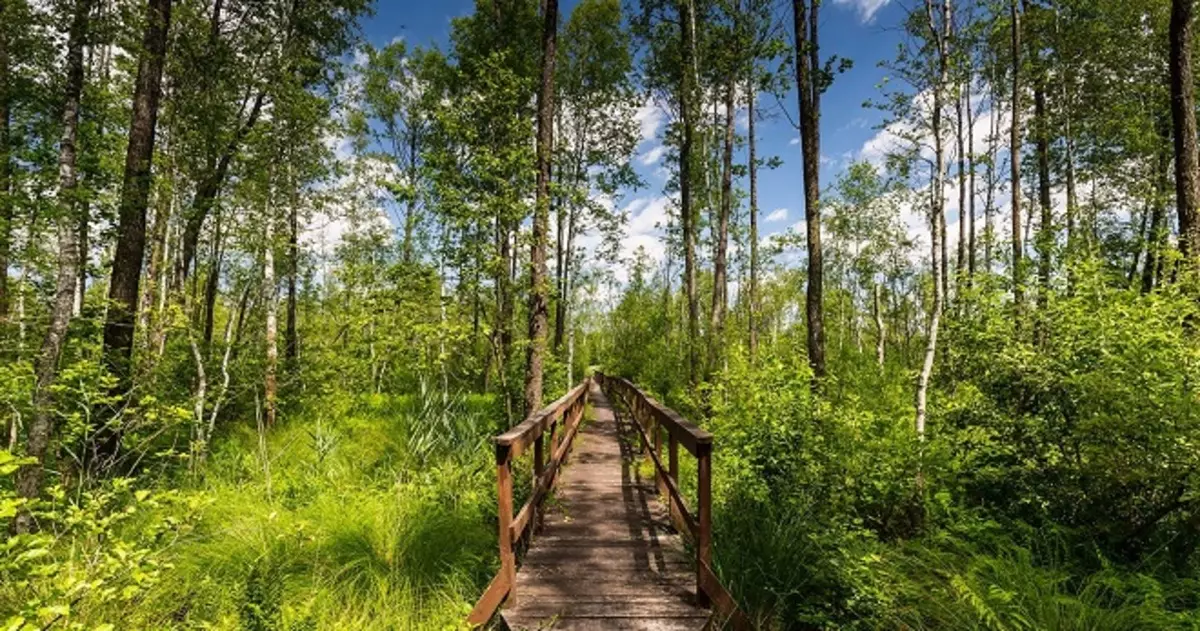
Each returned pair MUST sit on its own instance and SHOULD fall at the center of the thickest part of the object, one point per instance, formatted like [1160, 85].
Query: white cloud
[858, 122]
[646, 218]
[779, 214]
[646, 215]
[885, 142]
[899, 136]
[650, 118]
[794, 141]
[651, 244]
[357, 204]
[866, 8]
[743, 120]
[652, 156]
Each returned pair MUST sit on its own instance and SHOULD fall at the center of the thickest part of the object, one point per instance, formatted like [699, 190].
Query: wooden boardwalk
[607, 556]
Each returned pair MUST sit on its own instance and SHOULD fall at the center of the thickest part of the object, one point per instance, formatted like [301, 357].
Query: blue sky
[865, 31]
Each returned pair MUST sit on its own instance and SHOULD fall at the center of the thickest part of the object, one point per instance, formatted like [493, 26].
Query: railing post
[659, 481]
[539, 458]
[504, 499]
[640, 404]
[673, 468]
[554, 436]
[704, 518]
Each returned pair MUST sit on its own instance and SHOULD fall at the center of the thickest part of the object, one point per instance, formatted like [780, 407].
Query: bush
[95, 553]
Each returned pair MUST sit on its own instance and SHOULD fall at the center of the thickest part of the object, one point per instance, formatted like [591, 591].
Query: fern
[979, 604]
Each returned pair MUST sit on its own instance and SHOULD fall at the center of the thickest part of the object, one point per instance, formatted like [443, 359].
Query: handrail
[682, 430]
[520, 436]
[509, 445]
[652, 419]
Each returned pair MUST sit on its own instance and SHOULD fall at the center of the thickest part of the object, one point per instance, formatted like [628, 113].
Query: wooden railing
[653, 419]
[561, 420]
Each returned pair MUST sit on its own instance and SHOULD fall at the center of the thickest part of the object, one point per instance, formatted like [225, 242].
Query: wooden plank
[615, 586]
[508, 560]
[490, 601]
[615, 608]
[605, 578]
[609, 624]
[727, 612]
[607, 557]
[704, 515]
[594, 560]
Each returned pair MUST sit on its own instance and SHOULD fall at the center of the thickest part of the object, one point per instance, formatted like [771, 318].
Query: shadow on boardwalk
[607, 557]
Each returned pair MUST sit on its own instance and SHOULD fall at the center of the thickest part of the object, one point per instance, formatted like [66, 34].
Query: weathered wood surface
[607, 556]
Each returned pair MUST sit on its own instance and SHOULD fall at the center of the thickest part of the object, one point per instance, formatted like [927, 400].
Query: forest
[274, 273]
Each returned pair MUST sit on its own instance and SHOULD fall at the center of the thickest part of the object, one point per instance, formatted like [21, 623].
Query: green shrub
[96, 553]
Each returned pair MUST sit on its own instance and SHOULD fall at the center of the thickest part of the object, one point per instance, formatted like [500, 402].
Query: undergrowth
[357, 513]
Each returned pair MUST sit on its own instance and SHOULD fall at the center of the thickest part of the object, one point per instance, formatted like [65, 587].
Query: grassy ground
[374, 514]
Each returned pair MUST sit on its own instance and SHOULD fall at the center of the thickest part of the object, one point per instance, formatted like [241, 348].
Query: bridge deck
[607, 557]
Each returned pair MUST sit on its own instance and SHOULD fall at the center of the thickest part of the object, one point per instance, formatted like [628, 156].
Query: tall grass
[371, 513]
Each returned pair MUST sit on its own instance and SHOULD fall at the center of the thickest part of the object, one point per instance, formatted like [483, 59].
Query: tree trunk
[1156, 240]
[410, 213]
[568, 214]
[989, 230]
[880, 329]
[502, 335]
[207, 191]
[568, 301]
[538, 275]
[1139, 242]
[131, 228]
[131, 217]
[1014, 146]
[1072, 193]
[158, 252]
[752, 94]
[687, 212]
[721, 246]
[1045, 236]
[808, 86]
[945, 244]
[213, 283]
[971, 256]
[226, 377]
[83, 229]
[560, 234]
[1183, 115]
[6, 204]
[22, 277]
[271, 289]
[29, 478]
[291, 339]
[1155, 237]
[1068, 101]
[937, 212]
[960, 263]
[198, 401]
